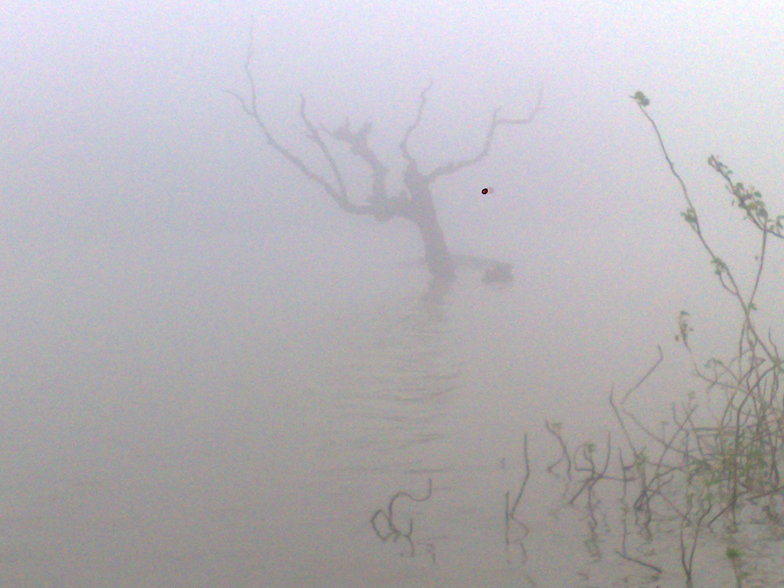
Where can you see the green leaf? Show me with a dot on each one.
(641, 98)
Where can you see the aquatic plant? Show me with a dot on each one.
(715, 464)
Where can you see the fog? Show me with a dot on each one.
(198, 345)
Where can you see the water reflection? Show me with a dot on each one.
(503, 515)
(404, 414)
(398, 394)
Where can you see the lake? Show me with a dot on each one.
(198, 425)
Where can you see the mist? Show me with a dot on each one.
(213, 376)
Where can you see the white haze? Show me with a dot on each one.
(176, 298)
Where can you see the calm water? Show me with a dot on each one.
(202, 429)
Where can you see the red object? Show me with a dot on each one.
(487, 190)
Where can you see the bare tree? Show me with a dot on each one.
(414, 204)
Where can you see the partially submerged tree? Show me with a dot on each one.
(414, 204)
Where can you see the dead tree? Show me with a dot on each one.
(415, 204)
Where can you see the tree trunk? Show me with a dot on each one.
(437, 256)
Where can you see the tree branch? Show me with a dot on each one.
(415, 124)
(495, 122)
(384, 206)
(250, 107)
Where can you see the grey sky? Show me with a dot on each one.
(117, 129)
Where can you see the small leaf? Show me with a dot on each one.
(641, 98)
